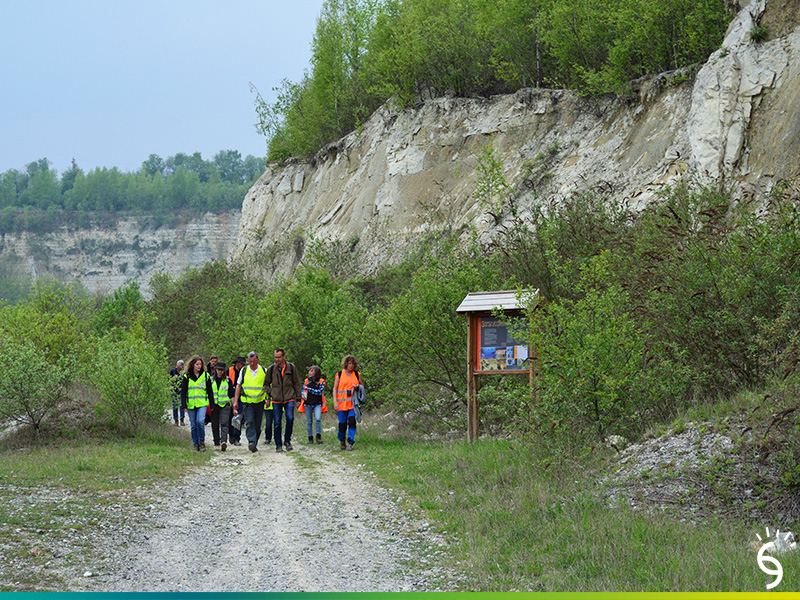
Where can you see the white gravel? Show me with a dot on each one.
(309, 520)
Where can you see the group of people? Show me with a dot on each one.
(259, 395)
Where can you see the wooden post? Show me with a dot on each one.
(472, 393)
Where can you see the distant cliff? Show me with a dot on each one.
(734, 120)
(104, 257)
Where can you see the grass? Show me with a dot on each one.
(520, 526)
(54, 496)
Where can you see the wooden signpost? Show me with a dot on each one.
(491, 346)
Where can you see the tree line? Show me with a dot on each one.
(31, 199)
(365, 52)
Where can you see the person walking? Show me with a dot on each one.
(344, 386)
(252, 389)
(176, 375)
(196, 396)
(222, 387)
(284, 390)
(234, 433)
(314, 402)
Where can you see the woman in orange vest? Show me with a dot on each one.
(344, 385)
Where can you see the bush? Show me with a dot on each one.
(131, 376)
(37, 389)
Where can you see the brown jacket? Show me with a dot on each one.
(283, 387)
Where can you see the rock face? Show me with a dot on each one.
(105, 258)
(737, 121)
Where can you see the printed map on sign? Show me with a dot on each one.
(498, 350)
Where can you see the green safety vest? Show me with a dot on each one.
(221, 392)
(253, 387)
(196, 395)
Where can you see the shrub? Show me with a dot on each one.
(37, 389)
(131, 377)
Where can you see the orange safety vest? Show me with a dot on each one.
(344, 393)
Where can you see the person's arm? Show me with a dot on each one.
(336, 392)
(210, 393)
(230, 388)
(236, 399)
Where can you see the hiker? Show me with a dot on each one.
(196, 396)
(251, 388)
(314, 402)
(176, 393)
(234, 433)
(345, 385)
(222, 387)
(284, 389)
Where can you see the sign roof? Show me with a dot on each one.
(488, 301)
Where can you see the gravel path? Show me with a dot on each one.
(310, 520)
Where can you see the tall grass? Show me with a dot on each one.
(520, 523)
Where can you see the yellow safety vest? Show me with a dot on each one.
(196, 395)
(253, 390)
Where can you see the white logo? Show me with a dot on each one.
(782, 544)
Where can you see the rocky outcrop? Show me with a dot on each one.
(406, 172)
(104, 258)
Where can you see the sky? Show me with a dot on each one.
(108, 83)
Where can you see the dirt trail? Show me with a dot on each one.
(308, 520)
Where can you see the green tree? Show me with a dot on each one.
(592, 358)
(130, 374)
(38, 389)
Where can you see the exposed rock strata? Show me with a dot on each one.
(737, 122)
(103, 259)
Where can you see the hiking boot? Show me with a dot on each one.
(176, 422)
(202, 446)
(311, 439)
(342, 445)
(288, 447)
(252, 447)
(319, 439)
(279, 449)
(223, 447)
(182, 423)
(350, 447)
(197, 447)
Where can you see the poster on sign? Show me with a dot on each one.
(498, 350)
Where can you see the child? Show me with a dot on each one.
(314, 400)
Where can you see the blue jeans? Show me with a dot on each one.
(347, 423)
(197, 419)
(252, 413)
(277, 410)
(314, 413)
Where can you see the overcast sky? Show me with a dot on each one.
(110, 82)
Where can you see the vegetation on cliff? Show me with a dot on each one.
(365, 52)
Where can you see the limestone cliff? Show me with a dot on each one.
(736, 120)
(104, 258)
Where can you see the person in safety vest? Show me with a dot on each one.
(251, 388)
(344, 386)
(196, 396)
(222, 387)
(233, 374)
(284, 390)
(314, 402)
(176, 375)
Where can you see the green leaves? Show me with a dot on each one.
(38, 388)
(129, 373)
